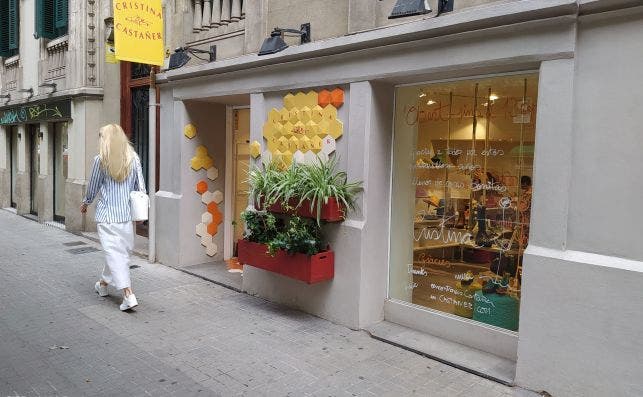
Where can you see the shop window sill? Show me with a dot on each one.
(308, 268)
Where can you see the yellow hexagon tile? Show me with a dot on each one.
(311, 98)
(268, 130)
(336, 128)
(274, 115)
(287, 157)
(305, 144)
(316, 143)
(189, 131)
(330, 112)
(208, 162)
(196, 163)
(255, 149)
(311, 129)
(300, 100)
(323, 127)
(201, 151)
(284, 115)
(289, 101)
(283, 143)
(299, 129)
(294, 115)
(272, 143)
(293, 143)
(286, 130)
(305, 114)
(317, 113)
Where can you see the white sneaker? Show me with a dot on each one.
(101, 289)
(129, 302)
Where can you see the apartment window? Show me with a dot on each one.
(52, 18)
(9, 25)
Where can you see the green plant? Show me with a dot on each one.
(261, 226)
(322, 180)
(261, 182)
(299, 236)
(287, 186)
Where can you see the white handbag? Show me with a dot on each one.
(139, 204)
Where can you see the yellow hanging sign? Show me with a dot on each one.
(138, 31)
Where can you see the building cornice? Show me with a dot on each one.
(84, 92)
(467, 20)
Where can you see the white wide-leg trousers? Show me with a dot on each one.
(117, 240)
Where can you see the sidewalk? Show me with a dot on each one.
(188, 337)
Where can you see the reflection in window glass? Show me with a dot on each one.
(462, 196)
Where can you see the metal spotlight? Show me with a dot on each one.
(180, 57)
(276, 43)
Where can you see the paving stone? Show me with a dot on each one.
(187, 337)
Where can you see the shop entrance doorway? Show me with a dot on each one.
(34, 166)
(241, 153)
(60, 170)
(13, 137)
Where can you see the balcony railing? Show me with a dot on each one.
(10, 72)
(55, 63)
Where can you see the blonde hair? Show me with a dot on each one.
(115, 152)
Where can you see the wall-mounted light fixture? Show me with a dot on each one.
(7, 97)
(407, 8)
(53, 86)
(109, 29)
(276, 43)
(180, 57)
(27, 90)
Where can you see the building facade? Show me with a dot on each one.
(58, 85)
(496, 142)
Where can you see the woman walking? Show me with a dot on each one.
(115, 173)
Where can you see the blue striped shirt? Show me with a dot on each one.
(113, 204)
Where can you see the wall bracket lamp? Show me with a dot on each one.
(53, 86)
(7, 97)
(180, 57)
(407, 8)
(276, 43)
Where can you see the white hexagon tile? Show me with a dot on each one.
(213, 173)
(201, 229)
(217, 197)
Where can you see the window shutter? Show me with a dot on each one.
(61, 15)
(12, 31)
(45, 19)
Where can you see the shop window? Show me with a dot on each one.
(9, 27)
(52, 18)
(462, 186)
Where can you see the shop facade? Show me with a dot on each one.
(479, 137)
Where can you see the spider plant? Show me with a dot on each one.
(261, 183)
(321, 181)
(287, 186)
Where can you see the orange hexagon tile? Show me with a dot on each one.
(212, 228)
(323, 99)
(337, 97)
(201, 187)
(189, 131)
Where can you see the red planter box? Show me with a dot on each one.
(330, 212)
(311, 269)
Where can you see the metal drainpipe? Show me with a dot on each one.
(151, 177)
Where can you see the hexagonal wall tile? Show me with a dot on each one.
(336, 128)
(337, 97)
(287, 157)
(206, 198)
(293, 143)
(321, 157)
(330, 112)
(189, 131)
(323, 98)
(289, 101)
(298, 157)
(206, 239)
(284, 115)
(196, 163)
(311, 98)
(283, 143)
(294, 115)
(311, 129)
(217, 217)
(300, 100)
(211, 250)
(309, 157)
(317, 143)
(316, 113)
(201, 229)
(305, 114)
(217, 197)
(213, 228)
(201, 187)
(213, 173)
(305, 144)
(287, 129)
(206, 217)
(208, 162)
(255, 149)
(328, 144)
(273, 115)
(201, 151)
